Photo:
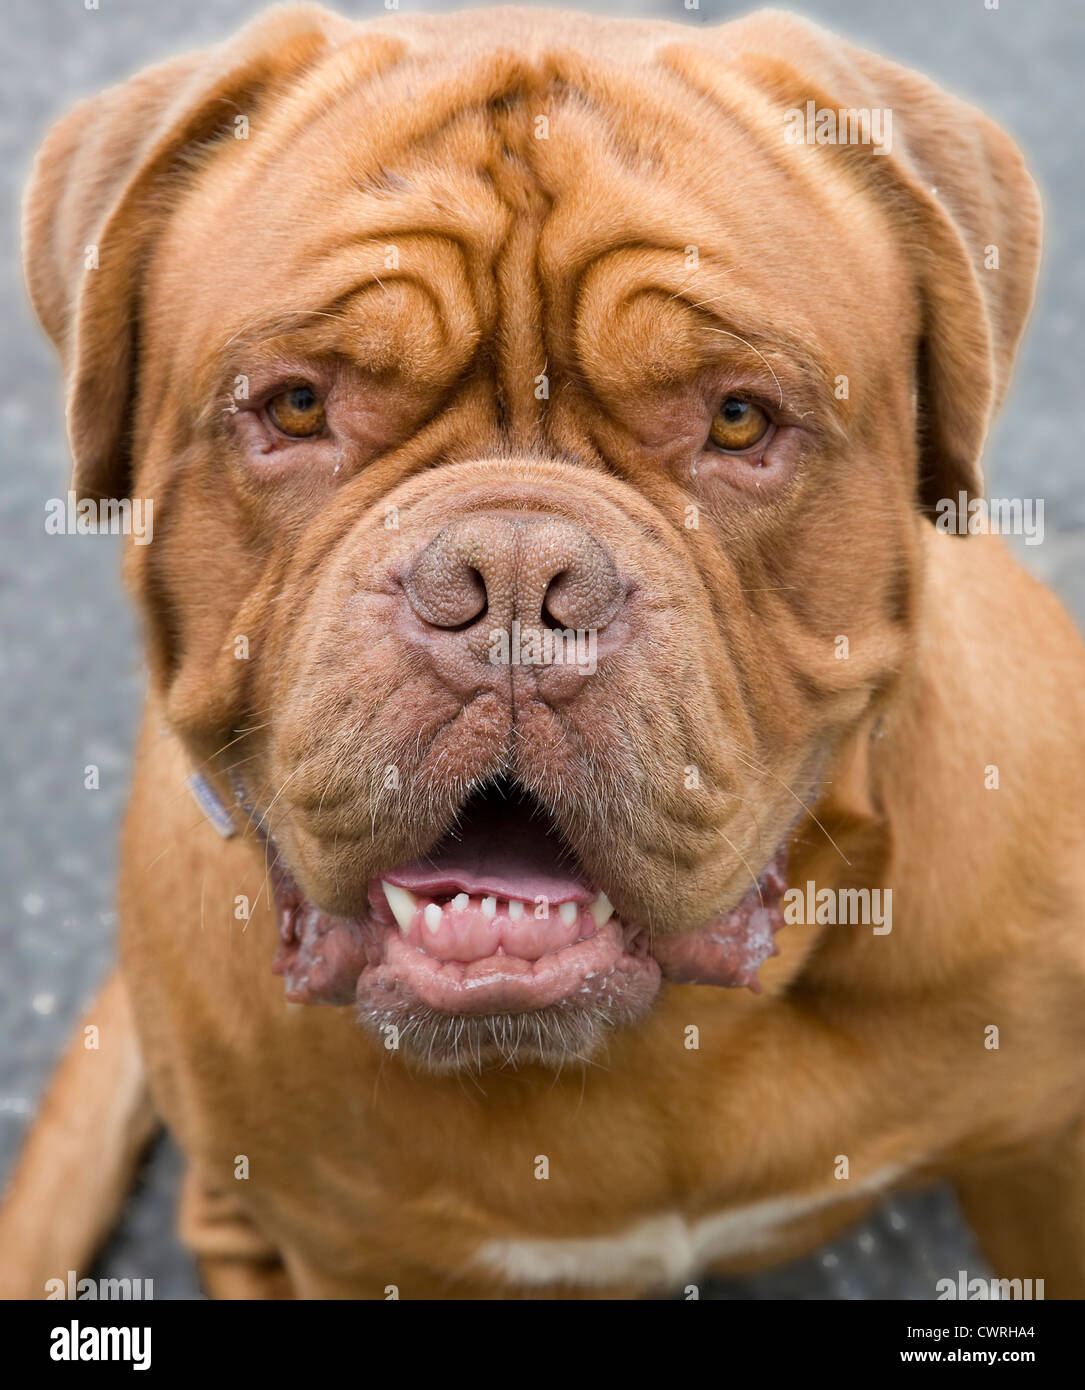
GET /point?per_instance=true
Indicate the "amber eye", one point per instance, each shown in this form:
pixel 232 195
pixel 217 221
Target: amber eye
pixel 297 412
pixel 738 425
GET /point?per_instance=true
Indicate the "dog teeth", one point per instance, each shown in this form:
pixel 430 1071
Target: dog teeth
pixel 602 910
pixel 403 904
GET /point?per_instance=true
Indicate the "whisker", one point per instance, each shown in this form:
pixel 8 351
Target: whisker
pixel 760 354
pixel 767 771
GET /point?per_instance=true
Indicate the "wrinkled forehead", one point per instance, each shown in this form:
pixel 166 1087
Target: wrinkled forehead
pixel 433 201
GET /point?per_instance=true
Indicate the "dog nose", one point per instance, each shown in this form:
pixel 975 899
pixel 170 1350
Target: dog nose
pixel 545 571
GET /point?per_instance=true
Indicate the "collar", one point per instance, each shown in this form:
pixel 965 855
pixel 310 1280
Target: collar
pixel 210 803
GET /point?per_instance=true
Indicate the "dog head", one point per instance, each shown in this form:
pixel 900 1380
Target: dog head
pixel 540 432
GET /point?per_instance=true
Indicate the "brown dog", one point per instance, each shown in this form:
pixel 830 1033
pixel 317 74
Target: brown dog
pixel 547 441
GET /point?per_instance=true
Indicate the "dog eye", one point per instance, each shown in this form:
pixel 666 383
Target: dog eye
pixel 738 425
pixel 298 412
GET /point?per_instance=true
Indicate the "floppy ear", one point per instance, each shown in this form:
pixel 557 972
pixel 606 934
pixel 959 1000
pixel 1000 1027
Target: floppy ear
pixel 966 205
pixel 95 199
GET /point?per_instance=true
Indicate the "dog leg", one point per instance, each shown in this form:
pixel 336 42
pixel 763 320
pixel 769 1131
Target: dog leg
pixel 1029 1213
pixel 81 1154
pixel 236 1261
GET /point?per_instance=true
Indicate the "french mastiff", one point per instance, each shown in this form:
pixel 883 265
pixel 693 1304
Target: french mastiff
pixel 631 834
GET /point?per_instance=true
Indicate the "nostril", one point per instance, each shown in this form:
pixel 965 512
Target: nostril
pixel 553 592
pixel 584 594
pixel 481 605
pixel 446 592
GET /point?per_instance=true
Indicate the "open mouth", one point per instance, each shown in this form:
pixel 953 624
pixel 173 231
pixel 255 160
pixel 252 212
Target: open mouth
pixel 499 918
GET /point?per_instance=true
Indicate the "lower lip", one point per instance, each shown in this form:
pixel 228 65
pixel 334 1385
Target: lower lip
pixel 594 971
pixel 334 960
pixel 371 962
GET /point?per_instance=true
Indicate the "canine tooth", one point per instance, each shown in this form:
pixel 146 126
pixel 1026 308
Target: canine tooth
pixel 489 907
pixel 568 912
pixel 432 917
pixel 403 904
pixel 602 910
pixel 516 909
pixel 460 902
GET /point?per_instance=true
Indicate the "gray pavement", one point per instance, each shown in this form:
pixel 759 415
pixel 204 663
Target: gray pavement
pixel 70 667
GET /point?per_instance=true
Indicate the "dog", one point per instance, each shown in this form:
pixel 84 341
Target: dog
pixel 551 622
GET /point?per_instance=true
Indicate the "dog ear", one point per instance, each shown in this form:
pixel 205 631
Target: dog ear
pixel 96 195
pixel 966 206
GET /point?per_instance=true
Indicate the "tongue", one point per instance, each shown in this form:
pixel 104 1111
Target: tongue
pixel 504 853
